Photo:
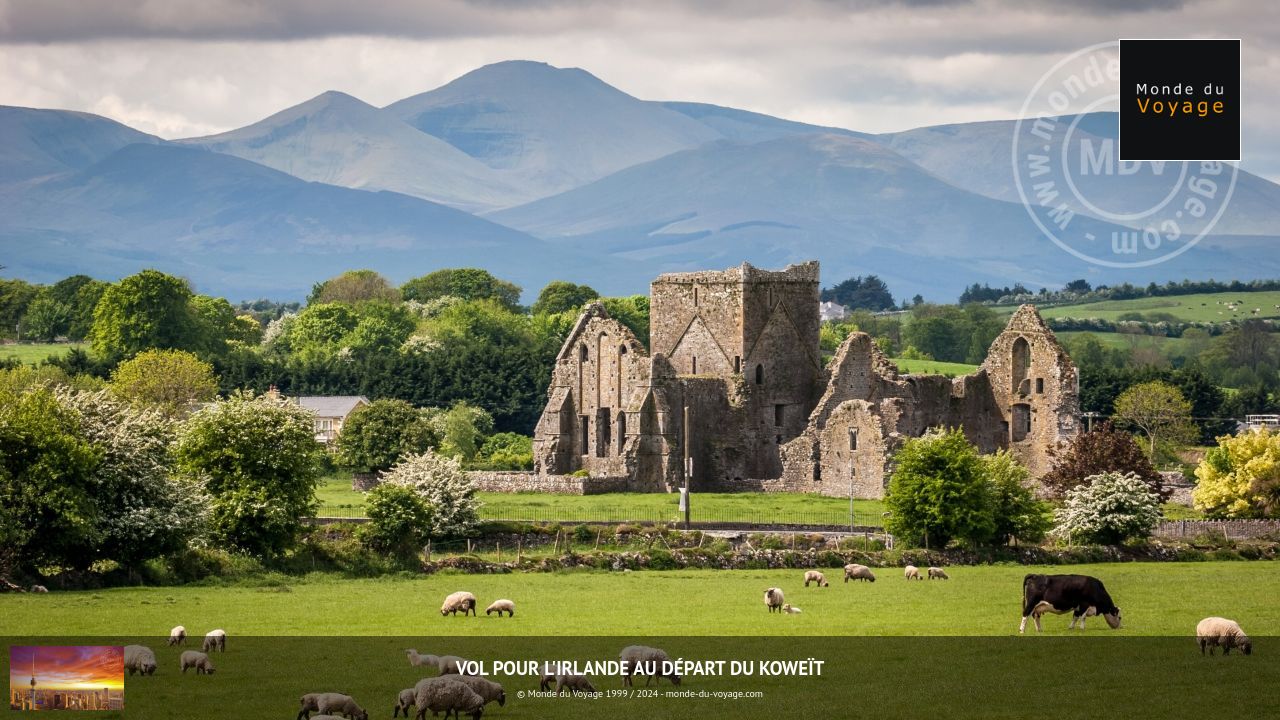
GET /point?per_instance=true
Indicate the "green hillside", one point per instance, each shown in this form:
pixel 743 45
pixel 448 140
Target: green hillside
pixel 1204 307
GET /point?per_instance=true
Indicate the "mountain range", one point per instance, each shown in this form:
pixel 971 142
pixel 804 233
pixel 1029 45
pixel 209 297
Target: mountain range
pixel 540 173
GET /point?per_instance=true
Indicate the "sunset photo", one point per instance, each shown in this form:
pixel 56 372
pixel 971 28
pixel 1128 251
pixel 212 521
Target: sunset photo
pixel 67 677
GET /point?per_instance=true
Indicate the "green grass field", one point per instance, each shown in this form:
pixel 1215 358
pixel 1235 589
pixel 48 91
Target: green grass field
pixel 32 353
pixel 1204 307
pixel 934 367
pixel 1167 346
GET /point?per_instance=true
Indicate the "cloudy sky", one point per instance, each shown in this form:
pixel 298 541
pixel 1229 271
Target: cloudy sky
pixel 178 68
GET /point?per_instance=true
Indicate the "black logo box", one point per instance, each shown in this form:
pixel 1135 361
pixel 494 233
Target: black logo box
pixel 1187 68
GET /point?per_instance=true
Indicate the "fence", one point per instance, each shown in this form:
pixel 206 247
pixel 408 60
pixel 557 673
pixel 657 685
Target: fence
pixel 620 515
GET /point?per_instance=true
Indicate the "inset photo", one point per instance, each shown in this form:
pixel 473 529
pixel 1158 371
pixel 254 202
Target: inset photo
pixel 66 677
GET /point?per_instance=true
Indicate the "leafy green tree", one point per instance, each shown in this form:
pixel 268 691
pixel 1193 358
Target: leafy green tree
pixel 215 323
pixel 258 460
pixel 321 327
pixel 1102 450
pixel 46 317
pixel 939 492
pixel 381 328
pixel 1159 412
pixel 462 430
pixel 506 451
pixel 353 287
pixel 1109 510
pixel 1240 478
pixel 377 435
pixel 15 296
pixel 560 296
pixel 400 520
pixel 144 311
pixel 632 311
pixel 171 381
pixel 1017 513
pixel 445 490
pixel 867 293
pixel 464 283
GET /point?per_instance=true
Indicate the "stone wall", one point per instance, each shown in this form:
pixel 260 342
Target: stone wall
pixel 529 481
pixel 1232 529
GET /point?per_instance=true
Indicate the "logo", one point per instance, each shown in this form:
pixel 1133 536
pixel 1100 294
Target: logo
pixel 1082 196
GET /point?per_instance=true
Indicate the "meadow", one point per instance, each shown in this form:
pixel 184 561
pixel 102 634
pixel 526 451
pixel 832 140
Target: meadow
pixel 1202 307
pixel 33 353
pixel 933 367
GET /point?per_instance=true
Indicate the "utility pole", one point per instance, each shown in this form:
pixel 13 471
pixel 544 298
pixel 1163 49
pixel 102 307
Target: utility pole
pixel 688 468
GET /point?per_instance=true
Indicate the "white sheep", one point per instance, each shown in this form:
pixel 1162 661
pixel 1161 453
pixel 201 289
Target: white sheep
pixel 791 609
pixel 447 694
pixel 501 606
pixel 1213 632
pixel 647 661
pixel 773 599
pixel 139 659
pixel 574 684
pixel 177 636
pixel 489 690
pixel 215 640
pixel 450 665
pixel 854 571
pixel 938 574
pixel 197 660
pixel 460 601
pixel 815 576
pixel 416 658
pixel 550 671
pixel 39 589
pixel 911 572
pixel 404 701
pixel 331 703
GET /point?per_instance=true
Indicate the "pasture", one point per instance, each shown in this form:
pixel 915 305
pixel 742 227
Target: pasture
pixel 964 661
pixel 933 367
pixel 1202 307
pixel 33 353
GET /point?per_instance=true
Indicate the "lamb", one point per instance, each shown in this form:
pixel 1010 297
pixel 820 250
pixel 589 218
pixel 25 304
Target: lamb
pixel 418 659
pixel 177 636
pixel 858 572
pixel 574 684
pixel 1213 632
pixel 937 573
pixel 485 688
pixel 815 576
pixel 645 660
pixel 331 703
pixel 773 599
pixel 139 659
pixel 447 694
pixel 460 601
pixel 791 609
pixel 215 639
pixel 911 572
pixel 501 606
pixel 405 701
pixel 197 660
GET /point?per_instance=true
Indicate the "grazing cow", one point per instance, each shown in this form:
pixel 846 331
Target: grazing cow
pixel 1081 595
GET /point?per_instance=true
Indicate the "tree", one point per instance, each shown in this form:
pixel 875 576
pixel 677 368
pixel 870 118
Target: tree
pixel 446 491
pixel 46 317
pixel 506 451
pixel 462 430
pixel 377 435
pixel 1016 511
pixel 400 520
pixel 15 296
pixel 1104 449
pixel 257 458
pixel 1240 478
pixel 144 311
pixel 1111 509
pixel 172 381
pixel 939 491
pixel 320 328
pixel 353 287
pixel 464 283
pixel 1159 411
pixel 560 296
pixel 632 311
pixel 1078 286
pixel 869 293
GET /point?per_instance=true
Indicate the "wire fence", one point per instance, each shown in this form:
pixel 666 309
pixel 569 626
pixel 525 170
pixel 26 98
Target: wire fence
pixel 650 516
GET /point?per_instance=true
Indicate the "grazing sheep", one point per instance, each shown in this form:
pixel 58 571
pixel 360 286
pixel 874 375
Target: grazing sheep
pixel 215 639
pixel 460 601
pixel 139 659
pixel 911 572
pixel 485 688
pixel 447 694
pixel 1213 632
pixel 937 573
pixel 331 703
pixel 39 589
pixel 197 660
pixel 858 572
pixel 773 599
pixel 815 576
pixel 501 606
pixel 645 660
pixel 417 659
pixel 177 636
pixel 450 665
pixel 403 702
pixel 791 609
pixel 574 684
pixel 550 671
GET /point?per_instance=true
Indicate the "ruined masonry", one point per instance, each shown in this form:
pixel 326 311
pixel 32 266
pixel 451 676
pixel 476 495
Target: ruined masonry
pixel 737 352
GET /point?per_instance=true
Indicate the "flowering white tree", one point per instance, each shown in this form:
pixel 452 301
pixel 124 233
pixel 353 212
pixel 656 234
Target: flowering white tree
pixel 447 491
pixel 1109 509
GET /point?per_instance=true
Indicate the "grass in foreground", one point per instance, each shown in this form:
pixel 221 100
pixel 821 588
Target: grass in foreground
pixel 33 353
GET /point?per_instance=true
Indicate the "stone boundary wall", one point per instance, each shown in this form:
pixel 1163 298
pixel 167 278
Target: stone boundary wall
pixel 512 481
pixel 1231 529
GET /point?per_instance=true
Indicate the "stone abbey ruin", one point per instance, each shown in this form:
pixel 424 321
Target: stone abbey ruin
pixel 736 352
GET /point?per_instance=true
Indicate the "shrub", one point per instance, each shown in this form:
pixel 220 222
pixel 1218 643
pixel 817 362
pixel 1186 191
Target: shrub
pixel 1112 508
pixel 1016 511
pixel 376 436
pixel 1105 449
pixel 446 491
pixel 939 492
pixel 1241 477
pixel 506 451
pixel 400 520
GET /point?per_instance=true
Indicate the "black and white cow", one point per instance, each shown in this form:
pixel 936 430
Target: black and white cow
pixel 1080 595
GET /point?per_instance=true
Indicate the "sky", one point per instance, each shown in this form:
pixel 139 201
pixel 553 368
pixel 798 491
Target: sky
pixel 67 667
pixel 179 68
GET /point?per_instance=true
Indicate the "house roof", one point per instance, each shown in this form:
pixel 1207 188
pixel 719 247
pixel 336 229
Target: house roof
pixel 332 406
